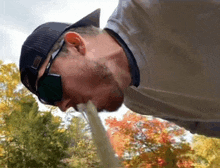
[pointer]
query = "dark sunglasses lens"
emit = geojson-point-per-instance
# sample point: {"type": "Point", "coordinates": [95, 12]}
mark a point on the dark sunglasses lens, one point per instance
{"type": "Point", "coordinates": [50, 89]}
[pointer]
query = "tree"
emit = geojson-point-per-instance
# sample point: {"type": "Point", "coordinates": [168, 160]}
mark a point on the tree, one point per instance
{"type": "Point", "coordinates": [82, 151]}
{"type": "Point", "coordinates": [141, 142]}
{"type": "Point", "coordinates": [28, 137]}
{"type": "Point", "coordinates": [207, 151]}
{"type": "Point", "coordinates": [34, 138]}
{"type": "Point", "coordinates": [9, 81]}
{"type": "Point", "coordinates": [9, 94]}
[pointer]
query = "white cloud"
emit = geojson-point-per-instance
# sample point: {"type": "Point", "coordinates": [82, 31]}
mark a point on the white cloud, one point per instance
{"type": "Point", "coordinates": [73, 10]}
{"type": "Point", "coordinates": [12, 39]}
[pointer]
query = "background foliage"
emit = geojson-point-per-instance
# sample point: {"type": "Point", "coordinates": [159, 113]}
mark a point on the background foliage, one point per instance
{"type": "Point", "coordinates": [82, 151]}
{"type": "Point", "coordinates": [141, 142]}
{"type": "Point", "coordinates": [33, 138]}
{"type": "Point", "coordinates": [207, 151]}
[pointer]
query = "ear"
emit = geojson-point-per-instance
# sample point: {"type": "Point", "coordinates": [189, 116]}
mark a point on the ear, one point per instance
{"type": "Point", "coordinates": [73, 39]}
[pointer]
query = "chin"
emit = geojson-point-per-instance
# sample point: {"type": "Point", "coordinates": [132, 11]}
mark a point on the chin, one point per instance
{"type": "Point", "coordinates": [111, 108]}
{"type": "Point", "coordinates": [114, 103]}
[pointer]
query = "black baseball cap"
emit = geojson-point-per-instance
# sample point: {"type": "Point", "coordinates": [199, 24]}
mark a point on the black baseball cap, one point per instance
{"type": "Point", "coordinates": [39, 43]}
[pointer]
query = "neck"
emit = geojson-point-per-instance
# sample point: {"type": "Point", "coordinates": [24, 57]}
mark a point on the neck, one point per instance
{"type": "Point", "coordinates": [105, 50]}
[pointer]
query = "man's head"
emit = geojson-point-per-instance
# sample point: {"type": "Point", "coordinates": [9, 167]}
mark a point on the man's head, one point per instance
{"type": "Point", "coordinates": [72, 77]}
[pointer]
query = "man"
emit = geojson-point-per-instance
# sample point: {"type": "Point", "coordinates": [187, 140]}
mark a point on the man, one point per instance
{"type": "Point", "coordinates": [160, 58]}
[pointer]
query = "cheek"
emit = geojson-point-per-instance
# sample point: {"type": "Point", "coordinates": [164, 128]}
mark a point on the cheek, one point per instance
{"type": "Point", "coordinates": [69, 87]}
{"type": "Point", "coordinates": [74, 89]}
{"type": "Point", "coordinates": [69, 79]}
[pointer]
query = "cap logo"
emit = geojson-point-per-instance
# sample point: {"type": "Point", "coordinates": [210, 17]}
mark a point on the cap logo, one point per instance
{"type": "Point", "coordinates": [37, 61]}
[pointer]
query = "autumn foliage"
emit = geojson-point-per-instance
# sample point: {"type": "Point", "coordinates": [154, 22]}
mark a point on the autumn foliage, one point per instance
{"type": "Point", "coordinates": [207, 151]}
{"type": "Point", "coordinates": [141, 142]}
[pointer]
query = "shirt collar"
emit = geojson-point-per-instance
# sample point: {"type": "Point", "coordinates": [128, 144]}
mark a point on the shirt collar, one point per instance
{"type": "Point", "coordinates": [134, 70]}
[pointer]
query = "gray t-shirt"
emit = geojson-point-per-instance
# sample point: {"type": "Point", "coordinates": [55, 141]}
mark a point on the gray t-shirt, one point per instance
{"type": "Point", "coordinates": [176, 45]}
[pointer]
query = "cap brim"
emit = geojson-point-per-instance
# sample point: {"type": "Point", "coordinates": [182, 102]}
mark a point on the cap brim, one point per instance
{"type": "Point", "coordinates": [92, 19]}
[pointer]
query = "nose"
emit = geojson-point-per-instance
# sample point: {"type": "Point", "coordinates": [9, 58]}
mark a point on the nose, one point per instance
{"type": "Point", "coordinates": [63, 105]}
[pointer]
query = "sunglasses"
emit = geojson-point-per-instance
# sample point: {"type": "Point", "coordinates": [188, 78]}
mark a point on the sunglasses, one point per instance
{"type": "Point", "coordinates": [49, 86]}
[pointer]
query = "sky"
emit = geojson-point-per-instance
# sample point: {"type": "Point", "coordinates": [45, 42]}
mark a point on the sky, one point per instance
{"type": "Point", "coordinates": [20, 17]}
